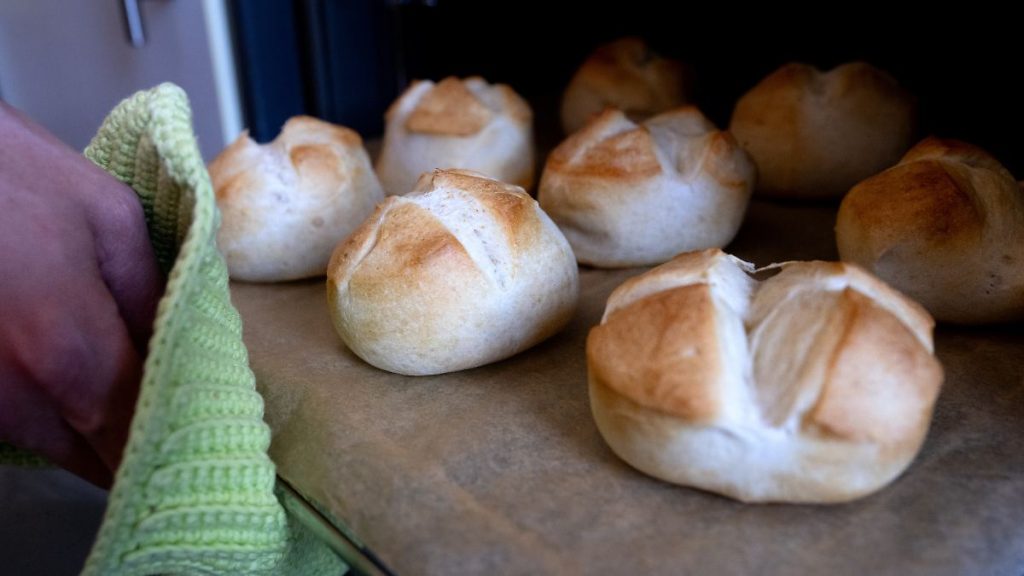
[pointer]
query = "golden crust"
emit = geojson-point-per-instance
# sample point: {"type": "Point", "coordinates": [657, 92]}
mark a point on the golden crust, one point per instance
{"type": "Point", "coordinates": [463, 271]}
{"type": "Point", "coordinates": [662, 352]}
{"type": "Point", "coordinates": [449, 109]}
{"type": "Point", "coordinates": [514, 105]}
{"type": "Point", "coordinates": [510, 207]}
{"type": "Point", "coordinates": [826, 397]}
{"type": "Point", "coordinates": [919, 201]}
{"type": "Point", "coordinates": [351, 251]}
{"type": "Point", "coordinates": [796, 276]}
{"type": "Point", "coordinates": [312, 146]}
{"type": "Point", "coordinates": [726, 162]}
{"type": "Point", "coordinates": [945, 149]}
{"type": "Point", "coordinates": [686, 268]}
{"type": "Point", "coordinates": [224, 170]}
{"type": "Point", "coordinates": [876, 357]}
{"type": "Point", "coordinates": [816, 134]}
{"type": "Point", "coordinates": [308, 128]}
{"type": "Point", "coordinates": [627, 75]}
{"type": "Point", "coordinates": [286, 204]}
{"type": "Point", "coordinates": [661, 346]}
{"type": "Point", "coordinates": [594, 153]}
{"type": "Point", "coordinates": [944, 226]}
{"type": "Point", "coordinates": [410, 243]}
{"type": "Point", "coordinates": [464, 123]}
{"type": "Point", "coordinates": [651, 83]}
{"type": "Point", "coordinates": [629, 195]}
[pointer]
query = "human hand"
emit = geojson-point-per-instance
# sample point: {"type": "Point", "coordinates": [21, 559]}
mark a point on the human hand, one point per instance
{"type": "Point", "coordinates": [79, 284]}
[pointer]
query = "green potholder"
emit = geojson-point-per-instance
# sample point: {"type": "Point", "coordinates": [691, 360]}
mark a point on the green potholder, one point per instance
{"type": "Point", "coordinates": [195, 491]}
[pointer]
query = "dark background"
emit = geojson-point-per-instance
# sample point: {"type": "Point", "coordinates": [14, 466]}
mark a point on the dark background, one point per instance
{"type": "Point", "coordinates": [346, 60]}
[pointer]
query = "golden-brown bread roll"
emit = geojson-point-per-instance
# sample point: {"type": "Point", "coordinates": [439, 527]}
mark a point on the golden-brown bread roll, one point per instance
{"type": "Point", "coordinates": [628, 195]}
{"type": "Point", "coordinates": [625, 74]}
{"type": "Point", "coordinates": [946, 227]}
{"type": "Point", "coordinates": [815, 134]}
{"type": "Point", "coordinates": [286, 205]}
{"type": "Point", "coordinates": [816, 385]}
{"type": "Point", "coordinates": [467, 124]}
{"type": "Point", "coordinates": [463, 271]}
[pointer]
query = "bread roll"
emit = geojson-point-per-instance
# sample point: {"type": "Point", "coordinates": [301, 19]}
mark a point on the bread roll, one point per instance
{"type": "Point", "coordinates": [946, 227]}
{"type": "Point", "coordinates": [814, 134]}
{"type": "Point", "coordinates": [287, 204]}
{"type": "Point", "coordinates": [627, 75]}
{"type": "Point", "coordinates": [628, 195]}
{"type": "Point", "coordinates": [467, 124]}
{"type": "Point", "coordinates": [816, 385]}
{"type": "Point", "coordinates": [463, 271]}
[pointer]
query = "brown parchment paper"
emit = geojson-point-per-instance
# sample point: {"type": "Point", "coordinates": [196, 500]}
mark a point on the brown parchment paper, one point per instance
{"type": "Point", "coordinates": [500, 470]}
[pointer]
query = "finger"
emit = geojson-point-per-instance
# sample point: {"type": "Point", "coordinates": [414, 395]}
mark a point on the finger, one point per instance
{"type": "Point", "coordinates": [127, 262]}
{"type": "Point", "coordinates": [28, 420]}
{"type": "Point", "coordinates": [82, 359]}
{"type": "Point", "coordinates": [100, 405]}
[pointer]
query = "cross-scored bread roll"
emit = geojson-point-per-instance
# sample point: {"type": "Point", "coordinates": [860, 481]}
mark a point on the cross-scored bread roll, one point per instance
{"type": "Point", "coordinates": [467, 124]}
{"type": "Point", "coordinates": [286, 205]}
{"type": "Point", "coordinates": [628, 195]}
{"type": "Point", "coordinates": [815, 134]}
{"type": "Point", "coordinates": [462, 272]}
{"type": "Point", "coordinates": [625, 74]}
{"type": "Point", "coordinates": [946, 227]}
{"type": "Point", "coordinates": [816, 385]}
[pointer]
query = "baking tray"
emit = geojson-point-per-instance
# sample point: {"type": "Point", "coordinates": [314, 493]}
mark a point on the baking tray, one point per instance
{"type": "Point", "coordinates": [501, 470]}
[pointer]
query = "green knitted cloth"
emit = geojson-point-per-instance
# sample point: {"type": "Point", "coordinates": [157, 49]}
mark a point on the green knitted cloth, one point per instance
{"type": "Point", "coordinates": [195, 491]}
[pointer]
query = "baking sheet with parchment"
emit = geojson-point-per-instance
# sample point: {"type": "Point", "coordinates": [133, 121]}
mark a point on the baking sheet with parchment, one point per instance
{"type": "Point", "coordinates": [501, 470]}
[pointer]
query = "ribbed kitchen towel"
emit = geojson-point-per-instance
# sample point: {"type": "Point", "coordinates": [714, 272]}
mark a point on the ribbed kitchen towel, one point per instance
{"type": "Point", "coordinates": [195, 491]}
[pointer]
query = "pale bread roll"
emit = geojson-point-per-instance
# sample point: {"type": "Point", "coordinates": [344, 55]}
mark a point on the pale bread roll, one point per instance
{"type": "Point", "coordinates": [815, 134]}
{"type": "Point", "coordinates": [816, 385]}
{"type": "Point", "coordinates": [462, 272]}
{"type": "Point", "coordinates": [628, 195]}
{"type": "Point", "coordinates": [467, 124]}
{"type": "Point", "coordinates": [946, 227]}
{"type": "Point", "coordinates": [286, 205]}
{"type": "Point", "coordinates": [625, 74]}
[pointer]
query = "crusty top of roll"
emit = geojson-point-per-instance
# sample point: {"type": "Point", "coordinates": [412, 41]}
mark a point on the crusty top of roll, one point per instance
{"type": "Point", "coordinates": [448, 108]}
{"type": "Point", "coordinates": [312, 146]}
{"type": "Point", "coordinates": [455, 123]}
{"type": "Point", "coordinates": [814, 385]}
{"type": "Point", "coordinates": [631, 195]}
{"type": "Point", "coordinates": [852, 78]}
{"type": "Point", "coordinates": [935, 184]}
{"type": "Point", "coordinates": [643, 80]}
{"type": "Point", "coordinates": [411, 235]}
{"type": "Point", "coordinates": [286, 204]}
{"type": "Point", "coordinates": [455, 107]}
{"type": "Point", "coordinates": [938, 178]}
{"type": "Point", "coordinates": [682, 141]}
{"type": "Point", "coordinates": [822, 336]}
{"type": "Point", "coordinates": [624, 74]}
{"type": "Point", "coordinates": [463, 271]}
{"type": "Point", "coordinates": [946, 226]}
{"type": "Point", "coordinates": [816, 133]}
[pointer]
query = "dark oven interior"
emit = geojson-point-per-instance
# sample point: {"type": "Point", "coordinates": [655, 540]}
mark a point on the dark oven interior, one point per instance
{"type": "Point", "coordinates": [345, 61]}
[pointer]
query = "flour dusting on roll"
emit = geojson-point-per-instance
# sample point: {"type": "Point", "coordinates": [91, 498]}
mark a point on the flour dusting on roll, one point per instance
{"type": "Point", "coordinates": [815, 385]}
{"type": "Point", "coordinates": [463, 271]}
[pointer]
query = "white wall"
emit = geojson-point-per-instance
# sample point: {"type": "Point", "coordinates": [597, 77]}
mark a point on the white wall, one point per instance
{"type": "Point", "coordinates": [68, 63]}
